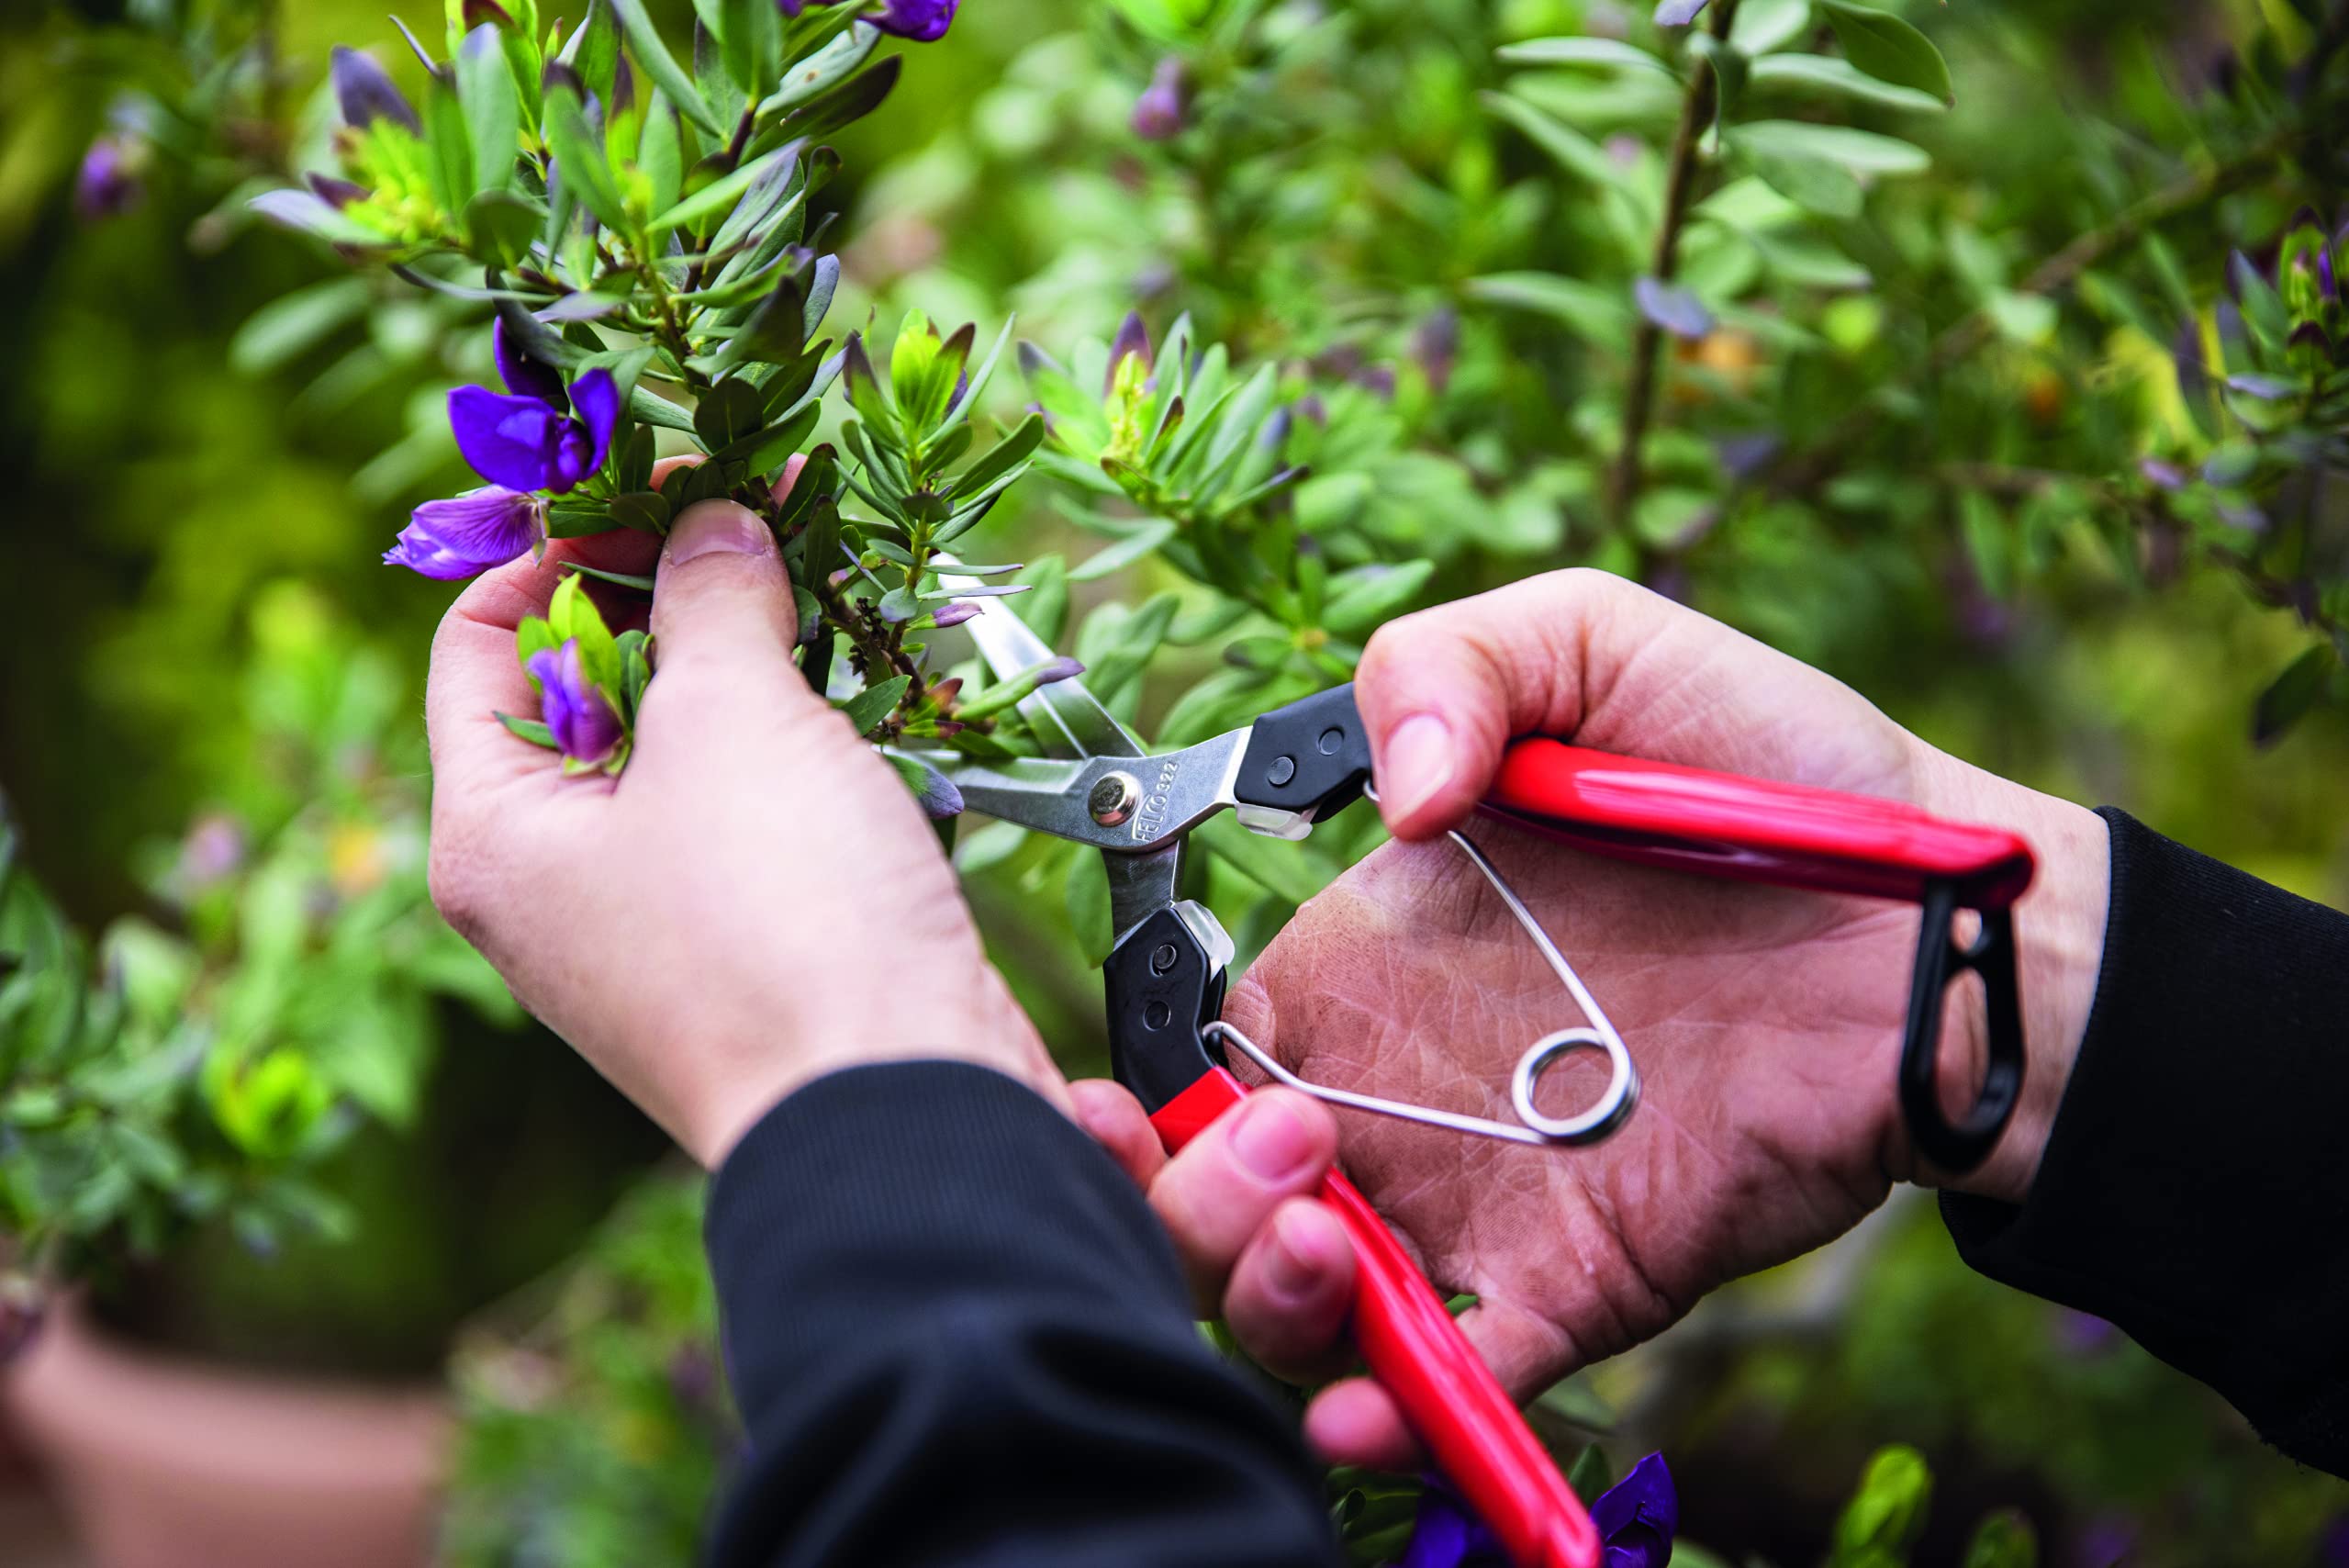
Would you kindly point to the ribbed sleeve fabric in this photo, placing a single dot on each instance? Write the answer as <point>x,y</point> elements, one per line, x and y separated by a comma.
<point>958,1336</point>
<point>2195,1187</point>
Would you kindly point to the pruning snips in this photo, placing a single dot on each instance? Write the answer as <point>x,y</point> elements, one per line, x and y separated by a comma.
<point>1292,767</point>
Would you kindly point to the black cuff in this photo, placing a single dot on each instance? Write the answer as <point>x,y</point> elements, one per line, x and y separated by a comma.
<point>2195,1187</point>
<point>913,1174</point>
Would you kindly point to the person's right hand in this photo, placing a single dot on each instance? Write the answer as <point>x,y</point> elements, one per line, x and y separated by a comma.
<point>1766,1023</point>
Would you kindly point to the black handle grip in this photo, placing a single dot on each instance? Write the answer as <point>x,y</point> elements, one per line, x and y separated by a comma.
<point>1312,756</point>
<point>1940,958</point>
<point>1163,991</point>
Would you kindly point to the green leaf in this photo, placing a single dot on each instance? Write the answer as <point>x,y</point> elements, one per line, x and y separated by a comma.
<point>1861,152</point>
<point>1003,457</point>
<point>1612,54</point>
<point>448,147</point>
<point>531,729</point>
<point>2003,1539</point>
<point>1363,599</point>
<point>1812,184</point>
<point>648,407</point>
<point>534,636</point>
<point>1825,73</point>
<point>850,101</point>
<point>1882,1522</point>
<point>662,66</point>
<point>493,109</point>
<point>1126,551</point>
<point>622,579</point>
<point>1889,49</point>
<point>719,196</point>
<point>289,326</point>
<point>873,704</point>
<point>820,71</point>
<point>727,412</point>
<point>660,152</point>
<point>499,226</point>
<point>1044,607</point>
<point>593,51</point>
<point>932,790</point>
<point>765,451</point>
<point>1602,315</point>
<point>579,157</point>
<point>2290,696</point>
<point>647,511</point>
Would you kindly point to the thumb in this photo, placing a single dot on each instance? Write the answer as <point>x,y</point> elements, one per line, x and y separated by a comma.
<point>721,601</point>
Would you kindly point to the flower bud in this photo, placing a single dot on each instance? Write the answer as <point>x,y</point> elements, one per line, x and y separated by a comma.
<point>1158,113</point>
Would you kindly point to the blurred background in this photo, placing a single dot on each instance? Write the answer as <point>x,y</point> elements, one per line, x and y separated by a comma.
<point>418,1280</point>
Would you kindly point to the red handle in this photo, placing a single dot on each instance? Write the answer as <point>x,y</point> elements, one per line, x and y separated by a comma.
<point>1660,813</point>
<point>1419,1354</point>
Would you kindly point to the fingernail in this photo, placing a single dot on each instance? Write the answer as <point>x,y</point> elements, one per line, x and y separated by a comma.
<point>1272,1139</point>
<point>717,527</point>
<point>1417,763</point>
<point>1289,1267</point>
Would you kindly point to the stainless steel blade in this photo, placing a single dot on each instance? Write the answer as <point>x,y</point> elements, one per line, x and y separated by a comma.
<point>1128,806</point>
<point>1066,719</point>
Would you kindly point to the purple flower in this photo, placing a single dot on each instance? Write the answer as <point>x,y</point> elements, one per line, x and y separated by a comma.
<point>1635,1518</point>
<point>108,184</point>
<point>470,534</point>
<point>917,21</point>
<point>577,713</point>
<point>541,437</point>
<point>953,615</point>
<point>1133,339</point>
<point>1158,113</point>
<point>366,94</point>
<point>1638,1516</point>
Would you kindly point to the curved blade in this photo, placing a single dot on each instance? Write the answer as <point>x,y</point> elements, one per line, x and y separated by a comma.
<point>1066,719</point>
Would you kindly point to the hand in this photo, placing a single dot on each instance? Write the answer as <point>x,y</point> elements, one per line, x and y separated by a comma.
<point>755,902</point>
<point>1766,1023</point>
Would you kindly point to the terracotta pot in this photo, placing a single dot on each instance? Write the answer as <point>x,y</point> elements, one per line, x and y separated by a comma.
<point>161,1462</point>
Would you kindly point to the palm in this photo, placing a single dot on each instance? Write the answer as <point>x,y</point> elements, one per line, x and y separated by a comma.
<point>1762,1022</point>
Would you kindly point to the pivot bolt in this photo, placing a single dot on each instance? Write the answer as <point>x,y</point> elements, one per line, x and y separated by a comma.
<point>1283,769</point>
<point>1113,798</point>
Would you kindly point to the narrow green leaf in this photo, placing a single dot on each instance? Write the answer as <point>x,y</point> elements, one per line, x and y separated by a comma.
<point>662,66</point>
<point>2290,696</point>
<point>1825,73</point>
<point>493,109</point>
<point>449,147</point>
<point>1610,53</point>
<point>531,729</point>
<point>873,704</point>
<point>579,157</point>
<point>1889,49</point>
<point>719,196</point>
<point>620,579</point>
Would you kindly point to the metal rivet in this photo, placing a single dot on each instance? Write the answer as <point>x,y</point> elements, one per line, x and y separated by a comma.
<point>1331,740</point>
<point>1283,770</point>
<point>1163,959</point>
<point>1113,798</point>
<point>1157,1014</point>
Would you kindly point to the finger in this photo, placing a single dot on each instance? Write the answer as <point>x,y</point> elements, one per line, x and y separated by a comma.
<point>1357,1422</point>
<point>1291,1293</point>
<point>1444,690</point>
<point>1119,1125</point>
<point>474,675</point>
<point>1216,1194</point>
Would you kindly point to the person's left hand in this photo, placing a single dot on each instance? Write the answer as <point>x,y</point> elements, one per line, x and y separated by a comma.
<point>754,901</point>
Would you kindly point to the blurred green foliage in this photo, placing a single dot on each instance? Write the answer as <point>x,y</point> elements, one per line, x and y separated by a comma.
<point>1971,404</point>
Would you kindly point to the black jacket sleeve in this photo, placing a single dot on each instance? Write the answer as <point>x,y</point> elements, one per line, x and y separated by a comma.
<point>2195,1188</point>
<point>957,1336</point>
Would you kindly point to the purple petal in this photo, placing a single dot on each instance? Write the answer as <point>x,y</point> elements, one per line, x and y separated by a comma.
<point>1062,668</point>
<point>366,94</point>
<point>513,441</point>
<point>1638,1516</point>
<point>1677,13</point>
<point>953,615</point>
<point>1446,1535</point>
<point>335,192</point>
<point>469,534</point>
<point>595,399</point>
<point>578,714</point>
<point>1132,338</point>
<point>1676,309</point>
<point>107,184</point>
<point>1158,113</point>
<point>524,375</point>
<point>917,21</point>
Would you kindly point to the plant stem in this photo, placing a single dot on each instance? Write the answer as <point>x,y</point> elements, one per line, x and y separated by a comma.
<point>1806,467</point>
<point>1647,347</point>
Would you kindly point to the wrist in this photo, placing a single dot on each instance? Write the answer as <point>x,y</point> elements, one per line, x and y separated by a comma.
<point>2059,935</point>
